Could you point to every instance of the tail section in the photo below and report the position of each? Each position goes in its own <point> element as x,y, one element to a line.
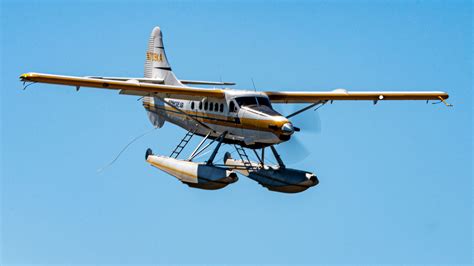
<point>156,64</point>
<point>157,67</point>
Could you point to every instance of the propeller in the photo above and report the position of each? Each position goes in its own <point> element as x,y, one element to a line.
<point>309,123</point>
<point>293,151</point>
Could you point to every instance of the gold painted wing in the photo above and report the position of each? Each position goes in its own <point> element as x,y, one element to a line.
<point>129,87</point>
<point>343,95</point>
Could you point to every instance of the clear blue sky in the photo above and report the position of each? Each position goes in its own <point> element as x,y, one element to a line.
<point>395,178</point>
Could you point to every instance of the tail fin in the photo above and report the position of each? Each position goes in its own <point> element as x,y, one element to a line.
<point>156,64</point>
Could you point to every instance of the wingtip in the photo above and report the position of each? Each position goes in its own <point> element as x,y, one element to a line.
<point>28,76</point>
<point>25,76</point>
<point>446,95</point>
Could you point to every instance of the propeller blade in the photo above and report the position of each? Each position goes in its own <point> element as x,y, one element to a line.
<point>308,121</point>
<point>293,151</point>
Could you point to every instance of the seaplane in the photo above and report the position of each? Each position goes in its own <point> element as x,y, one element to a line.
<point>244,119</point>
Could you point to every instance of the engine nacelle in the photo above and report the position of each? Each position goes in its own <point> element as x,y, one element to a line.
<point>275,178</point>
<point>197,175</point>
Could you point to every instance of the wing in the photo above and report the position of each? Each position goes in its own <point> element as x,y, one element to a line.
<point>198,82</point>
<point>144,80</point>
<point>160,81</point>
<point>129,87</point>
<point>344,95</point>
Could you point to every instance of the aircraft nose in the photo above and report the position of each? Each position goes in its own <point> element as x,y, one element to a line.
<point>288,128</point>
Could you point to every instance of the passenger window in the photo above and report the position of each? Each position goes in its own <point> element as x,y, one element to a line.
<point>231,106</point>
<point>216,107</point>
<point>200,105</point>
<point>192,105</point>
<point>211,107</point>
<point>205,106</point>
<point>222,108</point>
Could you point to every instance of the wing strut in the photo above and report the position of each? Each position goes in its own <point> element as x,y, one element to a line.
<point>320,103</point>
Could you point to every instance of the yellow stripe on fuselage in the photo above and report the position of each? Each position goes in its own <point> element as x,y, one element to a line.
<point>229,121</point>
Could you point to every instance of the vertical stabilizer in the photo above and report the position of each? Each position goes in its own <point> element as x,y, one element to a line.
<point>156,64</point>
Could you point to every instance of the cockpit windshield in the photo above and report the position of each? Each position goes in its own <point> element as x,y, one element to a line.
<point>263,101</point>
<point>257,103</point>
<point>252,101</point>
<point>246,101</point>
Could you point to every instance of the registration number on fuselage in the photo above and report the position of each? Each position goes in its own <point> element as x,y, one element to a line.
<point>177,103</point>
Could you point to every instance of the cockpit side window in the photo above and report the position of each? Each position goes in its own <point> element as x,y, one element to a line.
<point>231,106</point>
<point>263,101</point>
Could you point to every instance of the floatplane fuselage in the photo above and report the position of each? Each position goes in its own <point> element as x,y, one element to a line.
<point>246,116</point>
